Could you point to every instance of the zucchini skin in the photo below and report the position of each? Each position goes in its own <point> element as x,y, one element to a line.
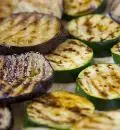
<point>100,104</point>
<point>43,48</point>
<point>69,76</point>
<point>116,58</point>
<point>99,10</point>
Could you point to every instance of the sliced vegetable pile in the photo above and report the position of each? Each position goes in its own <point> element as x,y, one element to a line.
<point>116,53</point>
<point>98,31</point>
<point>100,121</point>
<point>77,8</point>
<point>58,110</point>
<point>5,118</point>
<point>24,32</point>
<point>23,75</point>
<point>101,84</point>
<point>69,59</point>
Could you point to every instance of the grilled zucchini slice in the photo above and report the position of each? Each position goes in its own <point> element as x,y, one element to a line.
<point>100,83</point>
<point>30,32</point>
<point>52,7</point>
<point>97,31</point>
<point>100,121</point>
<point>58,110</point>
<point>5,118</point>
<point>24,76</point>
<point>75,8</point>
<point>69,59</point>
<point>116,53</point>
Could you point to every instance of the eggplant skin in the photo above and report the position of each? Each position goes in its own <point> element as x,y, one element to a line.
<point>26,76</point>
<point>45,47</point>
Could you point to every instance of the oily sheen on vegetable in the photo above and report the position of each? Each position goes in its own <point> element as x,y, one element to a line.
<point>25,32</point>
<point>58,110</point>
<point>98,31</point>
<point>69,59</point>
<point>24,76</point>
<point>100,83</point>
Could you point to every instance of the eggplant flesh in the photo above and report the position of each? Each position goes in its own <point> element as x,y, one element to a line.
<point>23,75</point>
<point>23,32</point>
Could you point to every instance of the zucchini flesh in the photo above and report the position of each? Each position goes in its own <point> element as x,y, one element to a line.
<point>70,55</point>
<point>22,74</point>
<point>26,29</point>
<point>100,121</point>
<point>58,109</point>
<point>5,118</point>
<point>76,8</point>
<point>100,83</point>
<point>97,31</point>
<point>116,53</point>
<point>94,28</point>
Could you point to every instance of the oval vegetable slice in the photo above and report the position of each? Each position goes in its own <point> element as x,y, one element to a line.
<point>97,31</point>
<point>24,76</point>
<point>58,110</point>
<point>100,121</point>
<point>116,53</point>
<point>25,32</point>
<point>101,84</point>
<point>69,59</point>
<point>75,8</point>
<point>5,118</point>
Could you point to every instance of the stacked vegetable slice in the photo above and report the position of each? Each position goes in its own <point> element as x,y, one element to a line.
<point>75,8</point>
<point>24,76</point>
<point>101,84</point>
<point>69,59</point>
<point>58,110</point>
<point>23,32</point>
<point>5,118</point>
<point>97,31</point>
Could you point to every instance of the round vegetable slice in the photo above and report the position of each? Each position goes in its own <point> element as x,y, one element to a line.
<point>75,8</point>
<point>69,59</point>
<point>116,53</point>
<point>25,32</point>
<point>58,110</point>
<point>24,76</point>
<point>100,83</point>
<point>97,31</point>
<point>5,118</point>
<point>100,121</point>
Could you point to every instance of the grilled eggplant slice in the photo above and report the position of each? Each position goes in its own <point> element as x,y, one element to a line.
<point>69,59</point>
<point>116,53</point>
<point>58,110</point>
<point>30,32</point>
<point>75,8</point>
<point>97,31</point>
<point>52,7</point>
<point>24,76</point>
<point>100,83</point>
<point>100,121</point>
<point>5,118</point>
